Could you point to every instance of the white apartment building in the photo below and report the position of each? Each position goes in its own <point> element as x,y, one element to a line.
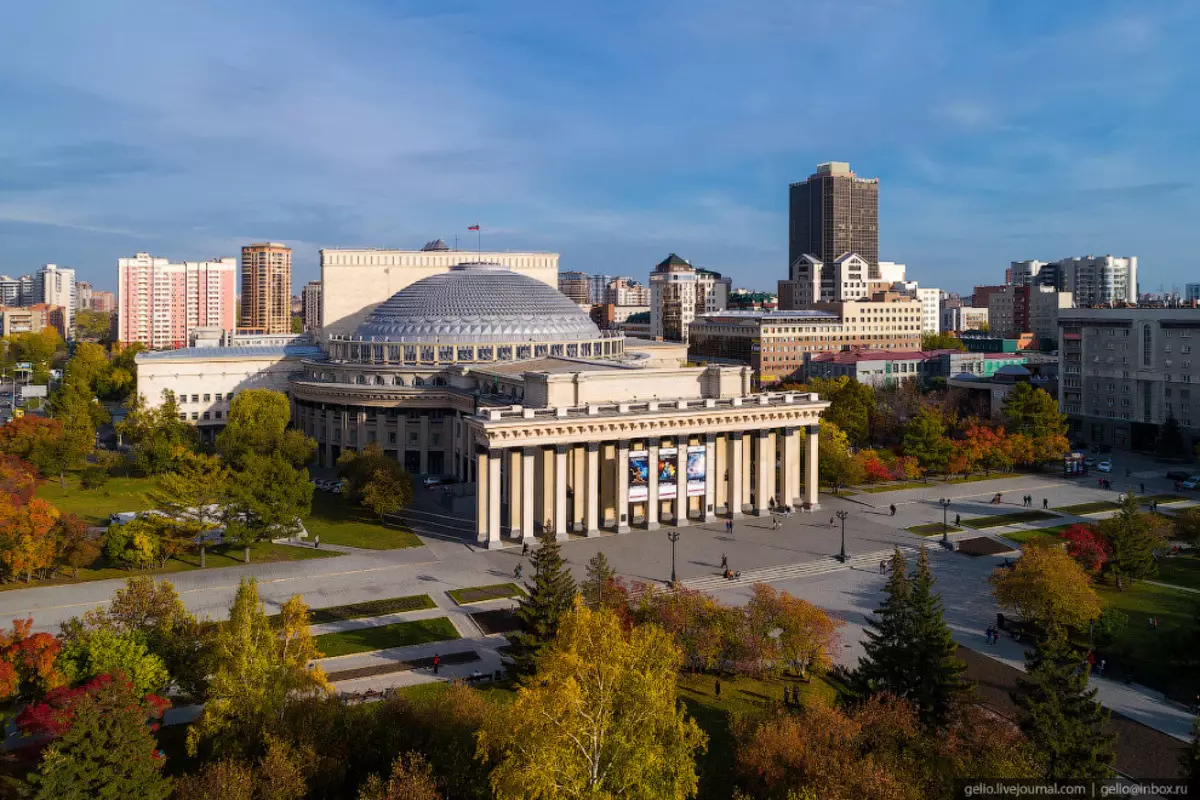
<point>964,318</point>
<point>627,292</point>
<point>55,286</point>
<point>679,293</point>
<point>1099,280</point>
<point>931,310</point>
<point>890,272</point>
<point>354,282</point>
<point>310,298</point>
<point>811,280</point>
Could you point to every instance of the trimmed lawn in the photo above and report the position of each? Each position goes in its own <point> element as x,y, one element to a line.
<point>478,594</point>
<point>94,506</point>
<point>338,521</point>
<point>976,478</point>
<point>1094,507</point>
<point>399,634</point>
<point>1164,499</point>
<point>260,553</point>
<point>1151,653</point>
<point>372,608</point>
<point>931,529</point>
<point>1046,535</point>
<point>1180,571</point>
<point>999,520</point>
<point>895,487</point>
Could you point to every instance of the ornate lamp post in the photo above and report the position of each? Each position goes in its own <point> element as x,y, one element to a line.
<point>674,537</point>
<point>945,504</point>
<point>842,516</point>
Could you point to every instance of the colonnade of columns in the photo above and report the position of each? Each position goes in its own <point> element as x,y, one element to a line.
<point>587,487</point>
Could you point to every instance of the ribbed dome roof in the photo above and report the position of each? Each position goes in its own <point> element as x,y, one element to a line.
<point>478,302</point>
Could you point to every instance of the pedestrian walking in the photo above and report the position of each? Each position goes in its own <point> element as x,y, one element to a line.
<point>1045,503</point>
<point>893,507</point>
<point>957,519</point>
<point>437,663</point>
<point>524,549</point>
<point>717,688</point>
<point>317,542</point>
<point>517,573</point>
<point>1100,669</point>
<point>882,567</point>
<point>831,522</point>
<point>987,634</point>
<point>724,561</point>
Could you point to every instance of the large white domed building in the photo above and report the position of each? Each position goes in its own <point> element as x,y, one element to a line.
<point>494,377</point>
<point>501,381</point>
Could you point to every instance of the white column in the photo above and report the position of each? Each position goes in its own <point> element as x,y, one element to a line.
<point>560,492</point>
<point>764,475</point>
<point>708,510</point>
<point>681,498</point>
<point>516,493</point>
<point>735,473</point>
<point>495,459</point>
<point>788,479</point>
<point>482,515</point>
<point>424,444</point>
<point>652,488</point>
<point>623,486</point>
<point>591,509</point>
<point>810,468</point>
<point>527,494</point>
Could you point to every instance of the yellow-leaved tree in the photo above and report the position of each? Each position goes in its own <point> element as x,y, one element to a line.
<point>259,667</point>
<point>599,719</point>
<point>1049,587</point>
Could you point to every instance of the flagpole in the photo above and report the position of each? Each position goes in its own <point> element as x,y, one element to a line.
<point>479,243</point>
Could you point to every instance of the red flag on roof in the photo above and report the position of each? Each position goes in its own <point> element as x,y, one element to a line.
<point>472,227</point>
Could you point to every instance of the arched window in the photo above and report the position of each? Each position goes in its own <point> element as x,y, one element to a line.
<point>360,380</point>
<point>397,381</point>
<point>418,381</point>
<point>379,380</point>
<point>439,381</point>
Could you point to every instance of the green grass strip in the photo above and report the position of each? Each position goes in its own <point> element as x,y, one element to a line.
<point>999,520</point>
<point>932,529</point>
<point>1088,508</point>
<point>399,634</point>
<point>372,608</point>
<point>478,594</point>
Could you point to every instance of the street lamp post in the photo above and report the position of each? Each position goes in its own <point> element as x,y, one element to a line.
<point>945,504</point>
<point>674,537</point>
<point>842,516</point>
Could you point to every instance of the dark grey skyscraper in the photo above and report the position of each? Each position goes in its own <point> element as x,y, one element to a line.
<point>832,213</point>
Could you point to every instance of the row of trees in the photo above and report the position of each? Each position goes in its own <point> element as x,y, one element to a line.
<point>93,694</point>
<point>932,438</point>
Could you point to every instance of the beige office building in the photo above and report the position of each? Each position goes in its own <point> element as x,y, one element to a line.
<point>354,282</point>
<point>266,288</point>
<point>679,293</point>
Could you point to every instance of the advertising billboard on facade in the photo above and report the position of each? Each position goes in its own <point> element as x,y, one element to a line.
<point>668,472</point>
<point>639,476</point>
<point>697,469</point>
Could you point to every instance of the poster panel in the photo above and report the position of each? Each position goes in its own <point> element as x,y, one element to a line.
<point>668,472</point>
<point>697,469</point>
<point>639,475</point>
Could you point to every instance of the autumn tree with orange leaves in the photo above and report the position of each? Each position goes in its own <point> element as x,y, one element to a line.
<point>27,662</point>
<point>27,541</point>
<point>789,631</point>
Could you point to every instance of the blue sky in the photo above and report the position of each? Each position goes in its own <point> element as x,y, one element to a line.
<point>611,132</point>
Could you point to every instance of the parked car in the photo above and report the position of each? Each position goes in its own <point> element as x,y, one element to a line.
<point>1104,466</point>
<point>433,480</point>
<point>1178,475</point>
<point>1192,482</point>
<point>1089,462</point>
